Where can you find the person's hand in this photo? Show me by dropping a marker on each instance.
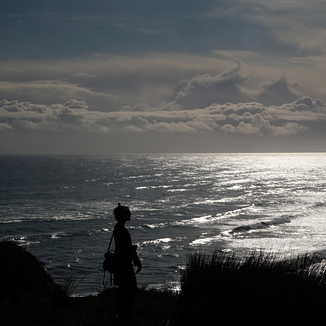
(139, 267)
(137, 263)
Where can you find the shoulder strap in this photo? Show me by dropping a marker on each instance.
(103, 268)
(111, 240)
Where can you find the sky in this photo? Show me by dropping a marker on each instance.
(108, 76)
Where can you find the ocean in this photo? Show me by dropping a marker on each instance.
(60, 208)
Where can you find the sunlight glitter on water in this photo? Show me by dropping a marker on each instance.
(179, 203)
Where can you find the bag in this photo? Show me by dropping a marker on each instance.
(110, 262)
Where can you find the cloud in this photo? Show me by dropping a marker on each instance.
(105, 83)
(308, 104)
(203, 90)
(25, 125)
(168, 127)
(148, 82)
(289, 128)
(16, 106)
(303, 109)
(316, 44)
(242, 128)
(277, 92)
(221, 104)
(5, 126)
(261, 126)
(47, 92)
(250, 118)
(73, 115)
(75, 104)
(72, 127)
(295, 25)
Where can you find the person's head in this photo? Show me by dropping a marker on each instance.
(122, 213)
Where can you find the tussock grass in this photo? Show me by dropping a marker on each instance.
(72, 280)
(226, 289)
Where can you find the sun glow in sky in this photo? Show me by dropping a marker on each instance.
(98, 76)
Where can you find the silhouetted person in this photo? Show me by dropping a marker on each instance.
(127, 258)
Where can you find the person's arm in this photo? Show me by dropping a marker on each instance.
(136, 260)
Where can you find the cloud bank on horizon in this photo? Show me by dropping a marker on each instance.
(142, 76)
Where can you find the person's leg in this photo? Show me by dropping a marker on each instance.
(127, 292)
(130, 298)
(122, 295)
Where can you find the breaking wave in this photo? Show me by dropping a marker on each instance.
(261, 225)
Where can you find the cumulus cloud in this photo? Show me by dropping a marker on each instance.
(105, 83)
(158, 130)
(232, 86)
(75, 104)
(25, 124)
(261, 126)
(203, 90)
(250, 118)
(151, 83)
(221, 103)
(16, 106)
(169, 127)
(5, 126)
(277, 92)
(303, 109)
(308, 104)
(51, 91)
(289, 128)
(73, 115)
(242, 128)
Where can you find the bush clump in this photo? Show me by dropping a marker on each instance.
(21, 271)
(29, 297)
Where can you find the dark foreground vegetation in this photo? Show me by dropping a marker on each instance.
(216, 289)
(30, 297)
(222, 289)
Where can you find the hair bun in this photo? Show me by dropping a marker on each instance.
(119, 204)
